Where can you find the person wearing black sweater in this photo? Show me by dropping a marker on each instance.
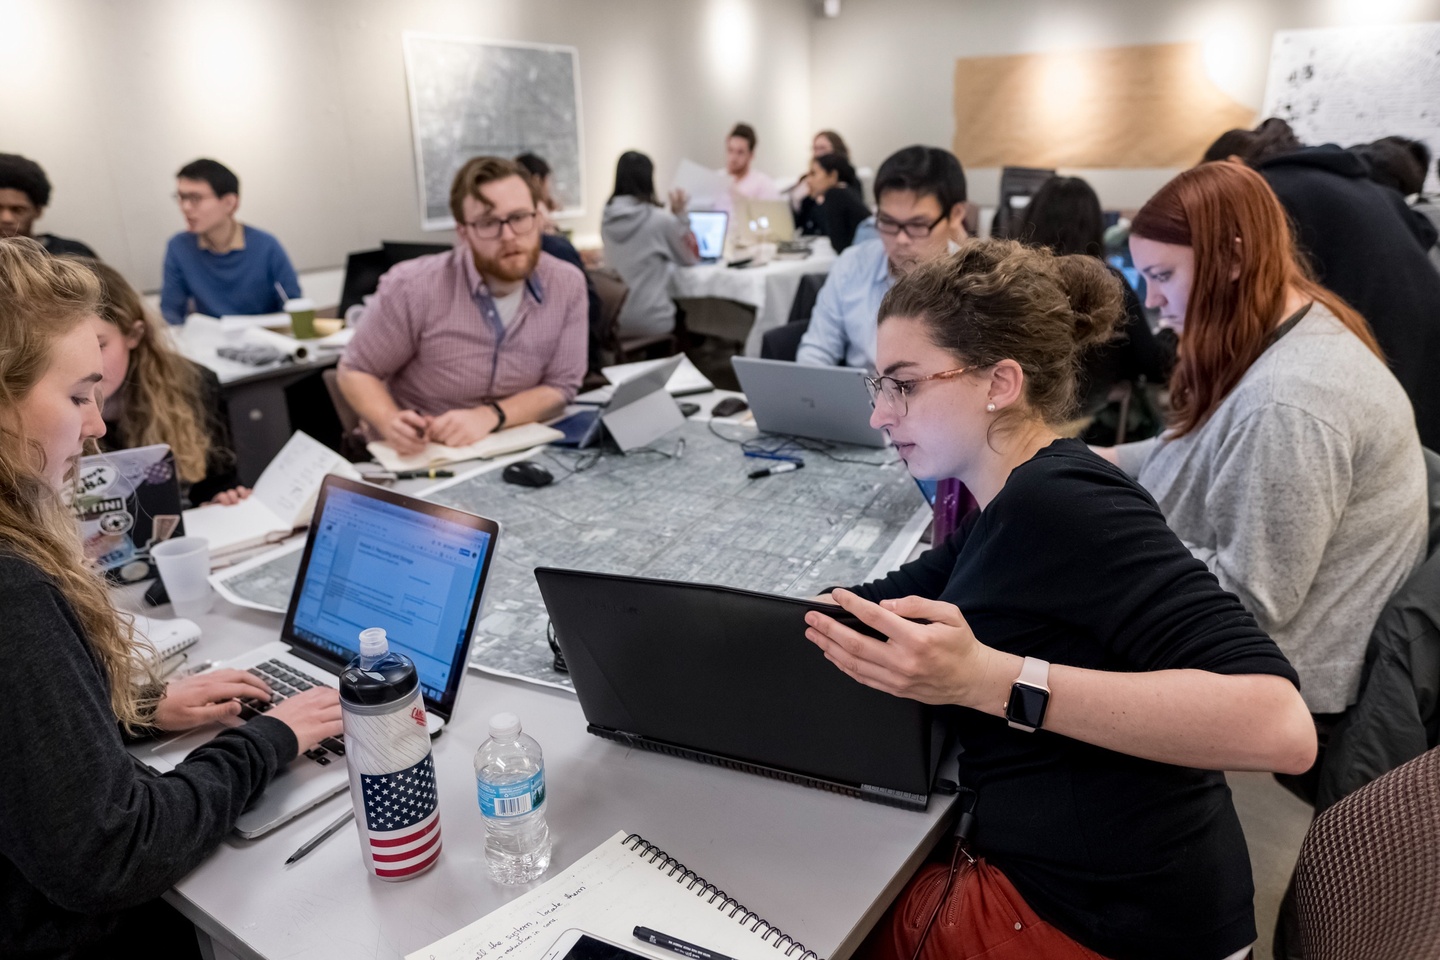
(88, 839)
(1101, 801)
(1065, 216)
(833, 206)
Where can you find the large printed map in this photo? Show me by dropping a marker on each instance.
(678, 511)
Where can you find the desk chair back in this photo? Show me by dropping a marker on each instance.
(363, 270)
(613, 293)
(1368, 878)
(352, 440)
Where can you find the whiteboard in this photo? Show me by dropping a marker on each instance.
(1358, 84)
(472, 97)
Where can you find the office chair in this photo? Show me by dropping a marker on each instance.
(613, 292)
(1017, 186)
(352, 440)
(1368, 878)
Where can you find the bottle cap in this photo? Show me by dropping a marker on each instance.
(503, 726)
(373, 642)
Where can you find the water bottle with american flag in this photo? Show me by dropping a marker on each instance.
(387, 749)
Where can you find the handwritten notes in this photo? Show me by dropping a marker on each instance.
(608, 893)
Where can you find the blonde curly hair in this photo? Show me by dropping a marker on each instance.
(43, 298)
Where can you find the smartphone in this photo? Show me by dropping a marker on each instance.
(578, 945)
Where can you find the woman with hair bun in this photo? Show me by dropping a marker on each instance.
(1095, 672)
(1292, 466)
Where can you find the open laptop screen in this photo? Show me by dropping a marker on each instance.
(709, 228)
(405, 566)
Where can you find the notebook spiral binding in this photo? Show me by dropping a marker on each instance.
(692, 880)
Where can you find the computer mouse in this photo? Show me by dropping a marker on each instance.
(729, 407)
(527, 473)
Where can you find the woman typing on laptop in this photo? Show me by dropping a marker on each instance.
(89, 841)
(1100, 677)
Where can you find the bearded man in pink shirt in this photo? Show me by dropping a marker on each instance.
(490, 334)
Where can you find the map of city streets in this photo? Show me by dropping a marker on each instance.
(693, 516)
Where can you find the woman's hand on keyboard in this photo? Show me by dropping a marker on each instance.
(313, 715)
(192, 701)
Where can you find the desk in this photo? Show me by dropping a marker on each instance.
(261, 419)
(822, 866)
(769, 290)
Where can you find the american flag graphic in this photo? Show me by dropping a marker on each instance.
(402, 819)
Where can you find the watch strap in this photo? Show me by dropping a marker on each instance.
(499, 412)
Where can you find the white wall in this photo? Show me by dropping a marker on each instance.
(306, 100)
(882, 74)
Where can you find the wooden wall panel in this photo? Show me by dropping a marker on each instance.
(1145, 106)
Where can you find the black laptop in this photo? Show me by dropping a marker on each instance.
(726, 676)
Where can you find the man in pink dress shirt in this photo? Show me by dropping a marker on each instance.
(746, 183)
(492, 334)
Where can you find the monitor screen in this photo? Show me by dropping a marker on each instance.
(378, 564)
(709, 229)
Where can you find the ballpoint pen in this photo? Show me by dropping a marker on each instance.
(322, 836)
(430, 474)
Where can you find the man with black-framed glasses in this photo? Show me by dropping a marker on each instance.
(491, 334)
(920, 198)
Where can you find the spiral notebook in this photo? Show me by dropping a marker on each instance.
(623, 883)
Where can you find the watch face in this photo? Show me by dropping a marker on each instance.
(1027, 705)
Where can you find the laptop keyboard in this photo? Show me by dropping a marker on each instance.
(285, 681)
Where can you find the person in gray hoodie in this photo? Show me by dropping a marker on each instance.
(643, 242)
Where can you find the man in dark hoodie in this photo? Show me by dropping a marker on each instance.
(1365, 244)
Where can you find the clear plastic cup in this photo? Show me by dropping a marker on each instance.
(184, 565)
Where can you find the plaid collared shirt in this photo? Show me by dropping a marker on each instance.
(433, 334)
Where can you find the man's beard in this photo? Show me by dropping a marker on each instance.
(503, 269)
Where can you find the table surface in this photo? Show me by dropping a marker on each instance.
(821, 866)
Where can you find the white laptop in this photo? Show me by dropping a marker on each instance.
(373, 558)
(823, 403)
(709, 227)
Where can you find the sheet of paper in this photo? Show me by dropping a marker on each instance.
(706, 188)
(686, 379)
(608, 893)
(265, 581)
(523, 437)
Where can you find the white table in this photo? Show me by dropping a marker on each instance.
(769, 289)
(822, 866)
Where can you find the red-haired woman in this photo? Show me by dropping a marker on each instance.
(1292, 466)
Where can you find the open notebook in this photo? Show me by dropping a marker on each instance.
(509, 440)
(621, 884)
(280, 504)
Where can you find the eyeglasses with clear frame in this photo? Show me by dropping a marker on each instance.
(915, 231)
(491, 228)
(897, 392)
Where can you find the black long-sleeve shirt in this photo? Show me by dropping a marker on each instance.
(1072, 562)
(85, 831)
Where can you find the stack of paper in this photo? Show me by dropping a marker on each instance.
(280, 504)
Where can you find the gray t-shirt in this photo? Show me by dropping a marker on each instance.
(1304, 492)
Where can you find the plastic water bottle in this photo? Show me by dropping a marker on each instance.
(510, 785)
(387, 751)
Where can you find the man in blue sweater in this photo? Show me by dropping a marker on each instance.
(220, 266)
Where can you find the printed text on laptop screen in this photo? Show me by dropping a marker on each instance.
(375, 564)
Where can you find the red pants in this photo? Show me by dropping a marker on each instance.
(983, 916)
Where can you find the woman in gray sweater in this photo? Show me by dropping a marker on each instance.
(1292, 466)
(643, 242)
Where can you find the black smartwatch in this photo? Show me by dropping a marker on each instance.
(1029, 696)
(499, 412)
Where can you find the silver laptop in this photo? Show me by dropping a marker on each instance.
(823, 403)
(373, 558)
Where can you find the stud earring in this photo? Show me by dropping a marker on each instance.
(990, 407)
